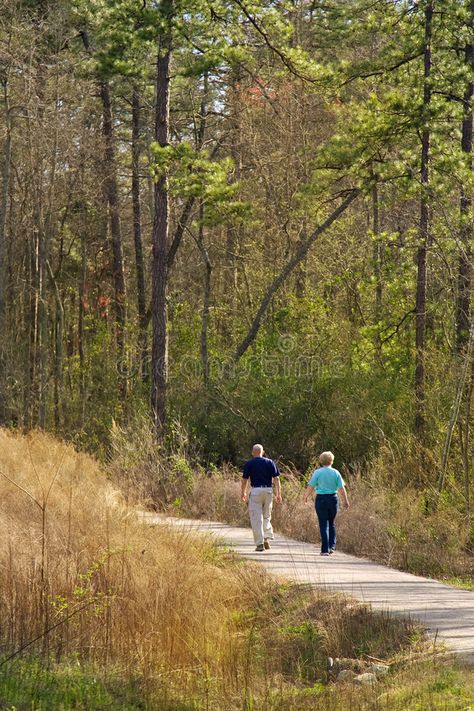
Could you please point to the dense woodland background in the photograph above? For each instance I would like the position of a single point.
(249, 220)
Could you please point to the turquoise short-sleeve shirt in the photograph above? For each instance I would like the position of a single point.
(326, 480)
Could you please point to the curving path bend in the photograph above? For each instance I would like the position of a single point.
(446, 612)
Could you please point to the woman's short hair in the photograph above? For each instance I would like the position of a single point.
(326, 458)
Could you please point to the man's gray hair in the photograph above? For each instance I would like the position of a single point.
(257, 450)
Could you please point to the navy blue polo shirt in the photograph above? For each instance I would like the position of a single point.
(261, 471)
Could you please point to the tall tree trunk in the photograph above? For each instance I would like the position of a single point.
(201, 137)
(465, 230)
(463, 301)
(465, 438)
(41, 236)
(234, 232)
(420, 307)
(299, 135)
(43, 353)
(58, 350)
(300, 281)
(111, 187)
(137, 234)
(378, 260)
(37, 254)
(31, 393)
(377, 253)
(160, 234)
(6, 173)
(206, 307)
(45, 268)
(81, 329)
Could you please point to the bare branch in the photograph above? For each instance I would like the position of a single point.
(286, 60)
(21, 488)
(384, 70)
(297, 258)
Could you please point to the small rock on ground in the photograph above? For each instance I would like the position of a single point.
(379, 669)
(346, 675)
(365, 679)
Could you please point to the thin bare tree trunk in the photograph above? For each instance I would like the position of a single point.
(43, 354)
(463, 301)
(31, 394)
(378, 260)
(35, 390)
(42, 246)
(137, 234)
(206, 298)
(45, 268)
(6, 173)
(160, 235)
(465, 231)
(112, 193)
(115, 226)
(234, 232)
(377, 253)
(464, 427)
(58, 350)
(201, 137)
(456, 407)
(179, 231)
(420, 307)
(81, 330)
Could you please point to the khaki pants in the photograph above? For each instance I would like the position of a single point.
(260, 510)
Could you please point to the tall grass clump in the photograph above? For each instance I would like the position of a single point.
(83, 576)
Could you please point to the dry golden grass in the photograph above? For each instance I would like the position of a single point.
(77, 561)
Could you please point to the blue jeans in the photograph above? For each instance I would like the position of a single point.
(326, 511)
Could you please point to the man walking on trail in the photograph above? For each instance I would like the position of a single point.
(262, 472)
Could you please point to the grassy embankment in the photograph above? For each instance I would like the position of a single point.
(99, 611)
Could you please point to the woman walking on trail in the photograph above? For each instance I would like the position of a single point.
(326, 481)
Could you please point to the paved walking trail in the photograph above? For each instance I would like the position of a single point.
(446, 612)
